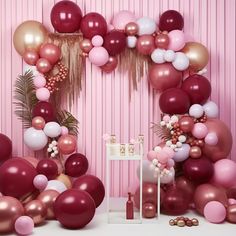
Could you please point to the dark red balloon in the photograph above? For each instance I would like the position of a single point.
(171, 20)
(93, 24)
(92, 185)
(174, 202)
(66, 17)
(45, 110)
(198, 170)
(115, 42)
(5, 147)
(48, 168)
(76, 165)
(74, 208)
(16, 178)
(198, 88)
(174, 101)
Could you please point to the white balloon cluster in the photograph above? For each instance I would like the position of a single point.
(179, 60)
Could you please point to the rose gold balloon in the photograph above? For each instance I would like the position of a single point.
(31, 57)
(145, 44)
(195, 152)
(197, 54)
(65, 179)
(231, 214)
(32, 160)
(186, 123)
(205, 193)
(43, 65)
(162, 41)
(131, 29)
(29, 35)
(222, 149)
(38, 122)
(67, 144)
(149, 210)
(51, 52)
(86, 45)
(36, 210)
(48, 197)
(10, 210)
(110, 65)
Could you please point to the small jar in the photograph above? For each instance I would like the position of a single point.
(131, 149)
(122, 149)
(113, 139)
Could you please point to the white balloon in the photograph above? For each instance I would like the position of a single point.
(52, 129)
(169, 55)
(158, 56)
(148, 172)
(181, 61)
(56, 185)
(131, 41)
(196, 110)
(182, 154)
(211, 109)
(168, 178)
(35, 139)
(146, 25)
(27, 67)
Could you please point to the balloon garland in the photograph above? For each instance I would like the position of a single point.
(195, 142)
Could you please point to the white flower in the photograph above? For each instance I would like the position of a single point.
(157, 149)
(162, 123)
(174, 119)
(182, 138)
(154, 161)
(173, 146)
(50, 145)
(56, 152)
(54, 142)
(168, 143)
(179, 144)
(49, 149)
(53, 154)
(54, 148)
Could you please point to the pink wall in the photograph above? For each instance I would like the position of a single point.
(104, 105)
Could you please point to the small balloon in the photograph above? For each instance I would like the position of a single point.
(186, 123)
(183, 153)
(211, 139)
(52, 129)
(149, 210)
(231, 214)
(56, 185)
(39, 81)
(40, 182)
(176, 40)
(181, 62)
(157, 56)
(199, 130)
(195, 152)
(31, 57)
(98, 56)
(43, 65)
(42, 94)
(196, 111)
(214, 212)
(50, 52)
(162, 41)
(67, 144)
(131, 41)
(38, 122)
(97, 41)
(47, 167)
(211, 109)
(24, 225)
(110, 65)
(145, 44)
(86, 45)
(146, 26)
(131, 29)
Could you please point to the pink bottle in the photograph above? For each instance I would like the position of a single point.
(129, 208)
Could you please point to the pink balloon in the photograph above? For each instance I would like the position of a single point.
(170, 163)
(97, 41)
(151, 155)
(24, 225)
(162, 157)
(40, 182)
(98, 56)
(211, 139)
(169, 151)
(166, 118)
(145, 44)
(64, 130)
(215, 212)
(39, 81)
(42, 94)
(51, 52)
(225, 173)
(199, 130)
(231, 201)
(176, 40)
(122, 18)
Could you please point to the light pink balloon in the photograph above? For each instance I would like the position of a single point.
(151, 155)
(162, 157)
(176, 40)
(211, 139)
(98, 56)
(39, 81)
(170, 163)
(169, 151)
(122, 18)
(64, 130)
(199, 130)
(24, 225)
(225, 173)
(215, 212)
(97, 41)
(166, 118)
(231, 201)
(40, 182)
(42, 94)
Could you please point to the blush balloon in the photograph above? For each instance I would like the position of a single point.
(31, 57)
(5, 147)
(44, 110)
(66, 17)
(93, 24)
(174, 101)
(48, 168)
(215, 212)
(92, 185)
(164, 76)
(131, 29)
(43, 65)
(86, 45)
(186, 123)
(145, 44)
(198, 88)
(122, 18)
(231, 214)
(51, 52)
(110, 65)
(162, 41)
(67, 144)
(198, 170)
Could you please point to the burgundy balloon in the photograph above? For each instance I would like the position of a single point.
(45, 110)
(48, 168)
(76, 165)
(66, 17)
(5, 148)
(16, 178)
(164, 76)
(174, 202)
(31, 57)
(231, 193)
(74, 208)
(93, 24)
(110, 65)
(92, 185)
(222, 149)
(51, 52)
(171, 20)
(198, 170)
(114, 42)
(198, 88)
(174, 101)
(145, 44)
(205, 193)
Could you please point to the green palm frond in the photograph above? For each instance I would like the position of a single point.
(65, 118)
(160, 131)
(25, 97)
